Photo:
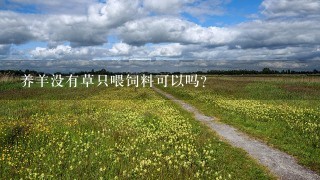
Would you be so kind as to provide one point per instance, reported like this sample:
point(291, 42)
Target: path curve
point(279, 163)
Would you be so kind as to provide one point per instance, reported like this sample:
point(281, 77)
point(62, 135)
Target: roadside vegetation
point(109, 133)
point(283, 111)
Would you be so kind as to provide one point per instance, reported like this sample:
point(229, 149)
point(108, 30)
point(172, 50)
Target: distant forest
point(210, 72)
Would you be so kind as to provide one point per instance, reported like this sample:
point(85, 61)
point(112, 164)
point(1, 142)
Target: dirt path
point(279, 163)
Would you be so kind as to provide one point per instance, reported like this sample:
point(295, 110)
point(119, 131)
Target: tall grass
point(281, 110)
point(111, 133)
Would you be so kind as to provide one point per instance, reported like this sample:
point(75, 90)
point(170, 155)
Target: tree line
point(210, 72)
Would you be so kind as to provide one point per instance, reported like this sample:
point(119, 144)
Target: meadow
point(111, 133)
point(283, 111)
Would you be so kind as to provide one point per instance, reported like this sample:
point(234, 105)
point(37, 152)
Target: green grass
point(283, 111)
point(110, 133)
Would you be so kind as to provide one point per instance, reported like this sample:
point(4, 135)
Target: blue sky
point(167, 29)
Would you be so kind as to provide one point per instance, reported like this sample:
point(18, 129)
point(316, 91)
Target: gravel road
point(281, 164)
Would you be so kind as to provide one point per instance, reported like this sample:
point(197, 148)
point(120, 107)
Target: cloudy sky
point(160, 29)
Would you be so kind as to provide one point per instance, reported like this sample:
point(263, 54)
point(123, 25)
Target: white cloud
point(115, 12)
point(55, 6)
point(61, 52)
point(277, 33)
point(166, 6)
point(289, 29)
point(283, 65)
point(168, 29)
point(289, 8)
point(80, 30)
point(19, 29)
point(169, 50)
point(77, 30)
point(14, 29)
point(196, 8)
point(206, 8)
point(121, 49)
point(224, 53)
point(4, 49)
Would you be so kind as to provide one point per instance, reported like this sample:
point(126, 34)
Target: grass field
point(111, 133)
point(283, 111)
